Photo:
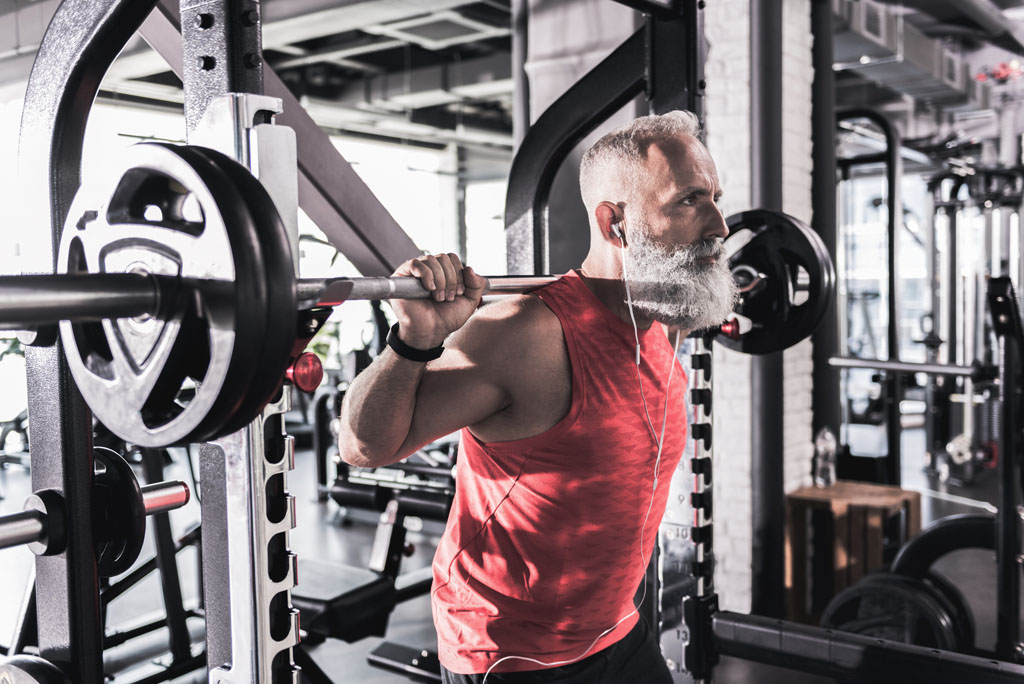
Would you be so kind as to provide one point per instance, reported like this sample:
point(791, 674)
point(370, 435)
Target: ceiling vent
point(438, 30)
point(873, 41)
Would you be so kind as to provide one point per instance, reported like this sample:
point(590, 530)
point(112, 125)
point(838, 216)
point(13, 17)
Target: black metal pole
point(222, 53)
point(767, 476)
point(1008, 545)
point(851, 657)
point(1006, 321)
point(675, 61)
point(81, 41)
point(591, 100)
point(893, 382)
point(825, 393)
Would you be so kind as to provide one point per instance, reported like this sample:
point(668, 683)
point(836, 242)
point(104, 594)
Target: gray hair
point(616, 157)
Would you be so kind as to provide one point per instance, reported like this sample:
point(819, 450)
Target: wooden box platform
point(835, 536)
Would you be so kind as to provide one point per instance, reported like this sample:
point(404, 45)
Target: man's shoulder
point(510, 322)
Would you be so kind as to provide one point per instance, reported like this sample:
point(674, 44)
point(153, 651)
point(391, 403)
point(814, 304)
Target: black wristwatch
point(412, 353)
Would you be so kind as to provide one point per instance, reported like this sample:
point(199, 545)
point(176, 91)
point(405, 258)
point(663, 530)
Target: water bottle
point(824, 458)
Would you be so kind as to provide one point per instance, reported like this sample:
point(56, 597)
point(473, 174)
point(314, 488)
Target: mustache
point(701, 249)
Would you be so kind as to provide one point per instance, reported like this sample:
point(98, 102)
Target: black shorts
point(634, 659)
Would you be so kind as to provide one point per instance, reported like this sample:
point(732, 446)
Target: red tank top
point(542, 550)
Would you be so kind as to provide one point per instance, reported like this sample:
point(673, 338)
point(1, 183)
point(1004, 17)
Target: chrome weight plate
point(180, 375)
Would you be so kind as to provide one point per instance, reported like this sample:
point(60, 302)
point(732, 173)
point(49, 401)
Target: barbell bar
point(179, 324)
point(30, 301)
point(29, 526)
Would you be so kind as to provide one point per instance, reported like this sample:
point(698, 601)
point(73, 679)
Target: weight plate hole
point(146, 196)
point(90, 338)
point(181, 376)
point(191, 210)
point(92, 346)
point(801, 291)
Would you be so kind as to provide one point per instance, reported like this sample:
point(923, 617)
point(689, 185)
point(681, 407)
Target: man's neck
point(606, 284)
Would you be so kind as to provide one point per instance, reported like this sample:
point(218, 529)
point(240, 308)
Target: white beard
point(675, 287)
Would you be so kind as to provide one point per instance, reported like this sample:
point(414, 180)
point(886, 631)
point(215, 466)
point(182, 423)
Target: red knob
point(306, 372)
point(731, 329)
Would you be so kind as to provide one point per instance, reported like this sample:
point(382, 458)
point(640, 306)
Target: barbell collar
point(165, 496)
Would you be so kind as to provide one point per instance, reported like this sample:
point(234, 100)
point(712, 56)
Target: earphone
point(659, 440)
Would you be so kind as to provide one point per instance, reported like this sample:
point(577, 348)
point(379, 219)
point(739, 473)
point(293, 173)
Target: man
point(572, 411)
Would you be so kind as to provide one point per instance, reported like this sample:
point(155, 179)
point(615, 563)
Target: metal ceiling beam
point(286, 22)
point(398, 125)
point(330, 191)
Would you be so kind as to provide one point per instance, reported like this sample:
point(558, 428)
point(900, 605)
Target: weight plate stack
point(894, 607)
point(282, 300)
point(187, 373)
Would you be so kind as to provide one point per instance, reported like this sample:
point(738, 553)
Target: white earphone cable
point(659, 440)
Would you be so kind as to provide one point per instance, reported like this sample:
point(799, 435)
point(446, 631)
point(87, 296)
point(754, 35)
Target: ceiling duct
point(479, 78)
point(873, 40)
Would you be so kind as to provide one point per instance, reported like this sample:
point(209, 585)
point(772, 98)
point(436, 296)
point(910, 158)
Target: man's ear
point(610, 222)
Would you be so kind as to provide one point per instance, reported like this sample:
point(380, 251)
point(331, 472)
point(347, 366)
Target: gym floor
point(325, 533)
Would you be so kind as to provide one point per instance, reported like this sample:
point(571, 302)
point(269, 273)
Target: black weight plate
point(135, 374)
point(892, 607)
point(119, 514)
point(777, 246)
point(282, 303)
point(251, 282)
point(963, 618)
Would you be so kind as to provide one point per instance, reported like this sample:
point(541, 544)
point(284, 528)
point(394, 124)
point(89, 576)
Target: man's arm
point(397, 405)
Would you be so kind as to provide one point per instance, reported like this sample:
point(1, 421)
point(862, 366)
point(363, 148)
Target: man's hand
point(457, 290)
